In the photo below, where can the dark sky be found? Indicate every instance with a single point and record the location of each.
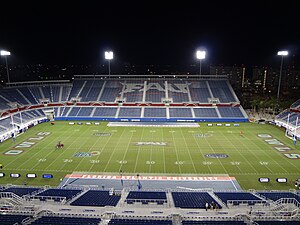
(145, 32)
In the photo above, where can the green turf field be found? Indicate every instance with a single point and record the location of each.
(111, 149)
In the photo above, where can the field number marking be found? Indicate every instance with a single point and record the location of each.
(150, 162)
(68, 160)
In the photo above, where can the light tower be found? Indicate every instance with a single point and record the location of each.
(109, 56)
(5, 54)
(200, 55)
(282, 54)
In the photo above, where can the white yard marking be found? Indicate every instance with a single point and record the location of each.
(67, 160)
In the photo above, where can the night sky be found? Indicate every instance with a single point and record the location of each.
(149, 32)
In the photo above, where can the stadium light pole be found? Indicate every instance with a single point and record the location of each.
(109, 56)
(282, 54)
(5, 54)
(200, 55)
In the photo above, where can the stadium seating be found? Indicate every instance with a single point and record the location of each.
(21, 191)
(274, 222)
(180, 112)
(55, 194)
(146, 197)
(10, 219)
(212, 222)
(278, 195)
(134, 93)
(112, 89)
(205, 112)
(130, 112)
(199, 91)
(139, 222)
(105, 112)
(220, 90)
(155, 112)
(229, 112)
(97, 198)
(62, 220)
(192, 199)
(238, 197)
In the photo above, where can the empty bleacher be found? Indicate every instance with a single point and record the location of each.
(139, 222)
(199, 91)
(146, 197)
(281, 222)
(57, 194)
(10, 219)
(63, 220)
(237, 198)
(20, 191)
(105, 112)
(205, 112)
(278, 195)
(155, 112)
(193, 199)
(180, 112)
(97, 198)
(130, 112)
(230, 112)
(212, 222)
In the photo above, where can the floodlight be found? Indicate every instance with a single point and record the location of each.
(3, 52)
(283, 53)
(109, 55)
(201, 54)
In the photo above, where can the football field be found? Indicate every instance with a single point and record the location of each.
(246, 152)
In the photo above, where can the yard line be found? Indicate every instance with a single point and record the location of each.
(199, 149)
(139, 149)
(164, 158)
(129, 142)
(188, 150)
(217, 158)
(249, 150)
(175, 147)
(240, 152)
(39, 152)
(114, 149)
(102, 147)
(268, 154)
(66, 152)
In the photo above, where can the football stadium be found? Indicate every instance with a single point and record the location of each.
(150, 149)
